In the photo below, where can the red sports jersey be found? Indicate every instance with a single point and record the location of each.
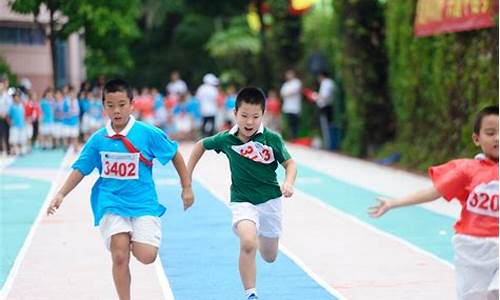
(474, 182)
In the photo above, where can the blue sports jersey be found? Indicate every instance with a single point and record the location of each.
(47, 111)
(71, 112)
(96, 109)
(16, 114)
(125, 197)
(58, 111)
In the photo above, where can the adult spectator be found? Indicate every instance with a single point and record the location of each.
(324, 100)
(176, 85)
(207, 95)
(291, 93)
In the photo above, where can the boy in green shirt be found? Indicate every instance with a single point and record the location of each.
(254, 153)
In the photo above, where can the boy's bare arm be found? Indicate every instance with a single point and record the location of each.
(71, 182)
(419, 197)
(187, 192)
(195, 156)
(290, 175)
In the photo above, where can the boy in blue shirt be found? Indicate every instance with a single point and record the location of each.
(124, 200)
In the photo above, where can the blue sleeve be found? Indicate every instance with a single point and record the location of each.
(161, 146)
(89, 157)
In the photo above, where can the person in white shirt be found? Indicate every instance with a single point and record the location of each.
(176, 85)
(5, 104)
(207, 95)
(291, 93)
(324, 100)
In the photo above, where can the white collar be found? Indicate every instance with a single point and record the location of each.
(234, 130)
(130, 123)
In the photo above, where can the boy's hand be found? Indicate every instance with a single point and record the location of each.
(187, 197)
(381, 208)
(54, 204)
(287, 190)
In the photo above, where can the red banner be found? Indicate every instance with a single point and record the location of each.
(441, 16)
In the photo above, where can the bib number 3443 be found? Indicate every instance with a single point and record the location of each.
(118, 165)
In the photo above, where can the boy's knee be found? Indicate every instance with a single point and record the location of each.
(248, 245)
(146, 254)
(146, 258)
(120, 257)
(270, 258)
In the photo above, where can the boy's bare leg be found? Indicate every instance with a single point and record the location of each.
(248, 248)
(268, 248)
(120, 254)
(144, 253)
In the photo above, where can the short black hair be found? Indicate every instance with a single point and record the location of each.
(486, 111)
(251, 95)
(117, 85)
(324, 73)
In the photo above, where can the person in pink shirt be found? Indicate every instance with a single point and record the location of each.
(473, 182)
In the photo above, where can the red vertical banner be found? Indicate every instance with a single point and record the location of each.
(442, 16)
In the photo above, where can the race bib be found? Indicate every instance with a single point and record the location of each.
(119, 165)
(484, 199)
(256, 152)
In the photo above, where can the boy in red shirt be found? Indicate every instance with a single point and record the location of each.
(474, 182)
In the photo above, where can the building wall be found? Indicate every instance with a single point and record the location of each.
(34, 61)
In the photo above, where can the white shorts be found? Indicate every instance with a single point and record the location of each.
(46, 128)
(71, 131)
(58, 130)
(145, 229)
(266, 216)
(29, 130)
(17, 136)
(476, 266)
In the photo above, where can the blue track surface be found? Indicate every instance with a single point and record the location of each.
(200, 253)
(20, 201)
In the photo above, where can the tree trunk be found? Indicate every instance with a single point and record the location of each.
(264, 62)
(53, 47)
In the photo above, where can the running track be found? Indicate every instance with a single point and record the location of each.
(330, 248)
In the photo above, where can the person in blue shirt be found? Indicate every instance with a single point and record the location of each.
(47, 122)
(18, 134)
(124, 200)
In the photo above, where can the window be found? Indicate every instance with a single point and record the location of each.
(21, 35)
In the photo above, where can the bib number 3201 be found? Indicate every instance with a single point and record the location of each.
(483, 199)
(120, 165)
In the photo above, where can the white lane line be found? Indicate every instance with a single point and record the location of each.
(15, 186)
(334, 210)
(163, 281)
(311, 274)
(294, 258)
(27, 242)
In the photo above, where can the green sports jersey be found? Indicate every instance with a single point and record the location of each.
(253, 164)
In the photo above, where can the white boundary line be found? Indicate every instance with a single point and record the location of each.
(375, 229)
(311, 274)
(294, 258)
(27, 242)
(163, 280)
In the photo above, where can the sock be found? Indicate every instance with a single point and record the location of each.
(250, 291)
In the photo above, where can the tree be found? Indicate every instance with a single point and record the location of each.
(108, 26)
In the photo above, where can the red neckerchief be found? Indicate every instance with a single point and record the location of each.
(131, 148)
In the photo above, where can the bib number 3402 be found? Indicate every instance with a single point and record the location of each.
(120, 165)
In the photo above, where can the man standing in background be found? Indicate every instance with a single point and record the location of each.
(176, 85)
(324, 101)
(291, 93)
